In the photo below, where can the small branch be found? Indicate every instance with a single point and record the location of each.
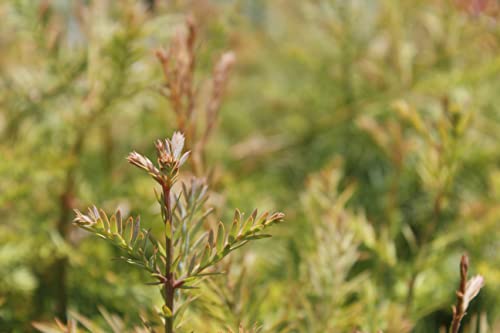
(467, 290)
(458, 309)
(411, 291)
(178, 63)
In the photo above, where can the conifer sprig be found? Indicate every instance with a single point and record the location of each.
(188, 254)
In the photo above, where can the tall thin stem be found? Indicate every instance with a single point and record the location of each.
(169, 248)
(59, 268)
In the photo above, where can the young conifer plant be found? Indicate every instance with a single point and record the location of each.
(186, 252)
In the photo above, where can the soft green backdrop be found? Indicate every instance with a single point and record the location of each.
(374, 125)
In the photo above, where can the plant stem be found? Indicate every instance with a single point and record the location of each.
(458, 309)
(58, 270)
(169, 248)
(411, 292)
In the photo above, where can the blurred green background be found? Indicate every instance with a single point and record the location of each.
(374, 125)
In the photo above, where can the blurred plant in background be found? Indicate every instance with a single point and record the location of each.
(66, 71)
(335, 295)
(403, 93)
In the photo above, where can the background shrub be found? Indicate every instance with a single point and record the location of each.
(372, 124)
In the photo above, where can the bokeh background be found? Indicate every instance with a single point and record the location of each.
(374, 125)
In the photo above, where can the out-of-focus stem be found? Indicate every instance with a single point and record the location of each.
(458, 309)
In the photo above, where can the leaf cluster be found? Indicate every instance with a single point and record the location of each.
(189, 253)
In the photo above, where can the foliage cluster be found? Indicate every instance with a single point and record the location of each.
(372, 124)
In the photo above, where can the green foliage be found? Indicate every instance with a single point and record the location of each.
(373, 124)
(188, 254)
